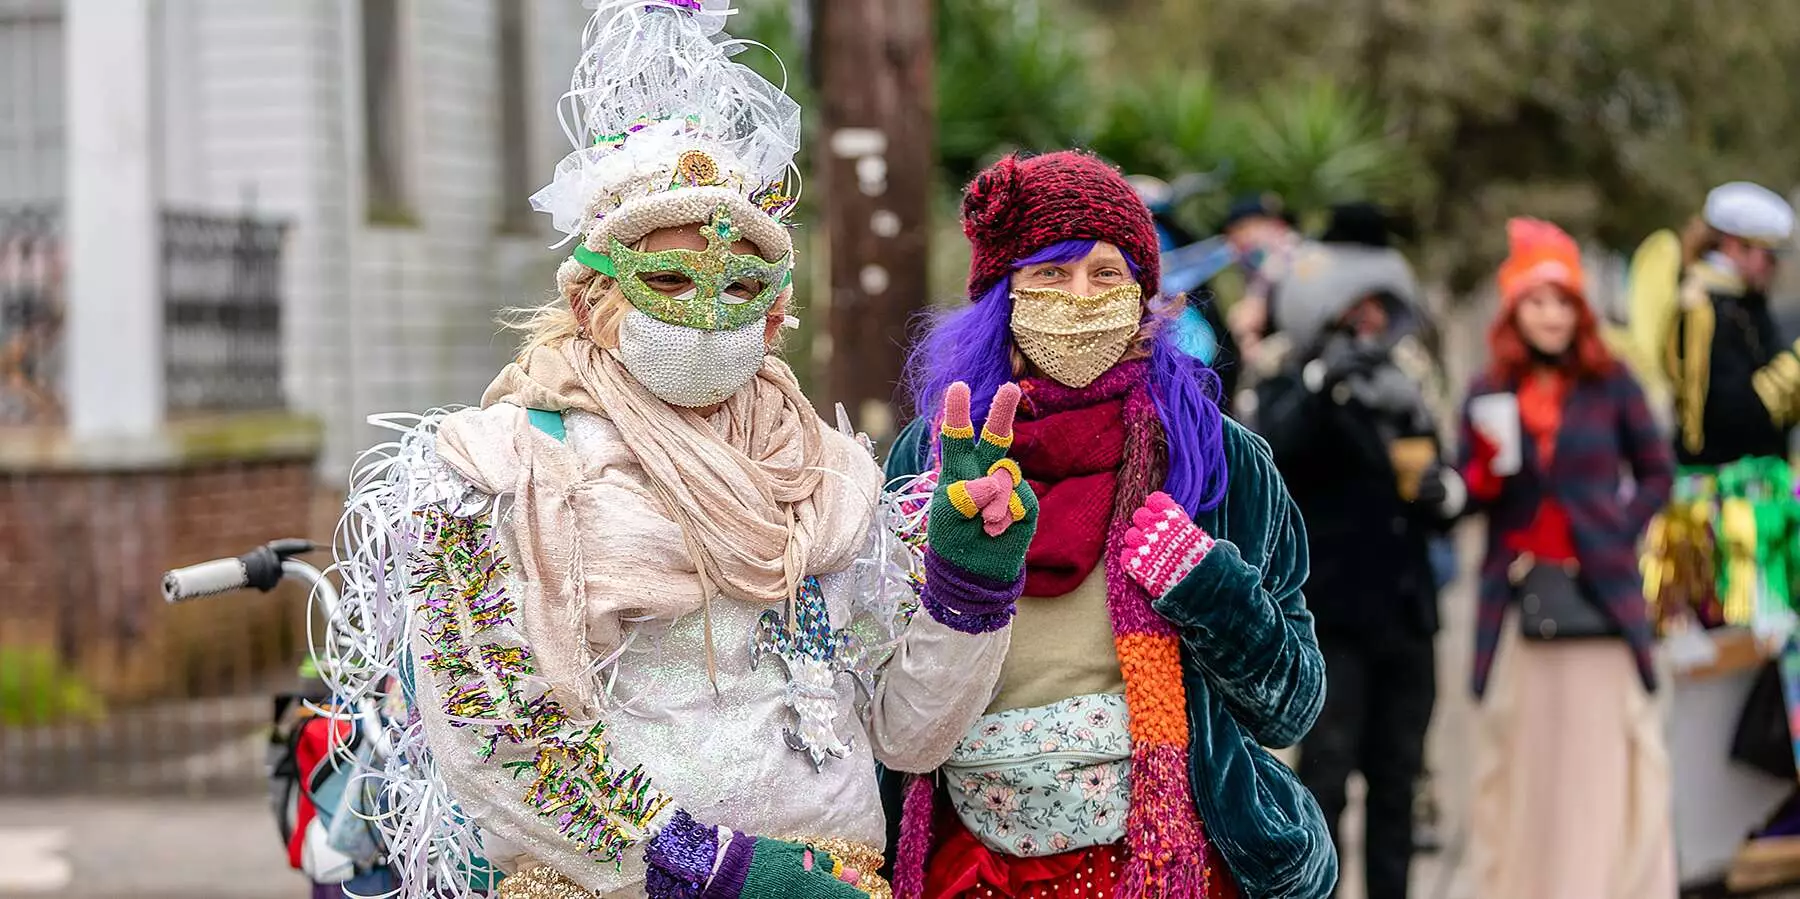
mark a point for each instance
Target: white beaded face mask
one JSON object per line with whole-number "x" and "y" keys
{"x": 689, "y": 367}
{"x": 1072, "y": 338}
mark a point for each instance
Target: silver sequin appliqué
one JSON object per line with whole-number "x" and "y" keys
{"x": 815, "y": 656}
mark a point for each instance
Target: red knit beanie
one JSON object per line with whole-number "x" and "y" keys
{"x": 1022, "y": 204}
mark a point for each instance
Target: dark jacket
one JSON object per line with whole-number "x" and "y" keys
{"x": 1372, "y": 577}
{"x": 1253, "y": 673}
{"x": 1606, "y": 430}
{"x": 1737, "y": 385}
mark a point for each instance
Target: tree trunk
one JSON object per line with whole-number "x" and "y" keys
{"x": 874, "y": 64}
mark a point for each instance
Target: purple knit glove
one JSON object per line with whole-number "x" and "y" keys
{"x": 1163, "y": 545}
{"x": 967, "y": 602}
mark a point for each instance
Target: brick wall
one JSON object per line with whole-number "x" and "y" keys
{"x": 183, "y": 691}
{"x": 83, "y": 554}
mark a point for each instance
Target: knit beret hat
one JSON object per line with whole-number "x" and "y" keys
{"x": 1022, "y": 204}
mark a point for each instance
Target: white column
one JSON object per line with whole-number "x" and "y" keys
{"x": 111, "y": 224}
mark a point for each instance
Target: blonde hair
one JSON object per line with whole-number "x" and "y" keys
{"x": 588, "y": 304}
{"x": 581, "y": 293}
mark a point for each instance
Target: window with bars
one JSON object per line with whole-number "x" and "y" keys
{"x": 221, "y": 313}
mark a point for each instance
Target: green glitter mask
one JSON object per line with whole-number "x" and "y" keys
{"x": 707, "y": 306}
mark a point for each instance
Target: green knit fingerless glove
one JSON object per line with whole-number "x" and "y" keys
{"x": 761, "y": 868}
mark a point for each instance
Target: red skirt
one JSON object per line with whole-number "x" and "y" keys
{"x": 962, "y": 867}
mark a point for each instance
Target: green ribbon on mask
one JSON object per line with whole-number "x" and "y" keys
{"x": 599, "y": 262}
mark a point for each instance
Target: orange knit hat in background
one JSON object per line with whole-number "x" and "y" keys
{"x": 1540, "y": 253}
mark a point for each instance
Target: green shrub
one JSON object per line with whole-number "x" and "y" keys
{"x": 36, "y": 688}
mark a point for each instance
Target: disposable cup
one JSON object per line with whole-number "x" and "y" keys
{"x": 1496, "y": 417}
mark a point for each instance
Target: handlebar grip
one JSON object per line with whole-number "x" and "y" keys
{"x": 205, "y": 579}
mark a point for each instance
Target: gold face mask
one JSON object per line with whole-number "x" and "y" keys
{"x": 710, "y": 305}
{"x": 1075, "y": 339}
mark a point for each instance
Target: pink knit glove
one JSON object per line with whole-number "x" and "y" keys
{"x": 1163, "y": 545}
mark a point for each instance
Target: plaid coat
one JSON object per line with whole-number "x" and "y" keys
{"x": 1606, "y": 433}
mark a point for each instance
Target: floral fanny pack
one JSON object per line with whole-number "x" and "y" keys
{"x": 1039, "y": 781}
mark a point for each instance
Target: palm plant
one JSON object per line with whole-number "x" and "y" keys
{"x": 1163, "y": 123}
{"x": 1010, "y": 75}
{"x": 1316, "y": 144}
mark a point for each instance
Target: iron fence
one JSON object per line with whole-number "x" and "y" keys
{"x": 221, "y": 313}
{"x": 221, "y": 294}
{"x": 31, "y": 316}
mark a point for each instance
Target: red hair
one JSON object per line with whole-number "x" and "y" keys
{"x": 1510, "y": 357}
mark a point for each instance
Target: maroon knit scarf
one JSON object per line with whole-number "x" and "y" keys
{"x": 1070, "y": 442}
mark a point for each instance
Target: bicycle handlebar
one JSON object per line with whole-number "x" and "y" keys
{"x": 204, "y": 579}
{"x": 260, "y": 568}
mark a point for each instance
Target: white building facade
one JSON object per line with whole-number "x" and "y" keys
{"x": 395, "y": 142}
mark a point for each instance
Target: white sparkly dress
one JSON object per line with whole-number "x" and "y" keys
{"x": 781, "y": 740}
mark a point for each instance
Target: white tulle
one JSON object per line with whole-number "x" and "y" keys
{"x": 654, "y": 80}
{"x": 427, "y": 840}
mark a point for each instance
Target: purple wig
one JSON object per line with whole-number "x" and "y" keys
{"x": 973, "y": 344}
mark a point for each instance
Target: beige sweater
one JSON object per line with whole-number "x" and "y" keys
{"x": 1062, "y": 647}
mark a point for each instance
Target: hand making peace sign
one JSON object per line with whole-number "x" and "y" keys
{"x": 983, "y": 514}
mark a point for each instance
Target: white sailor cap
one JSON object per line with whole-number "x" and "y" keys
{"x": 1750, "y": 211}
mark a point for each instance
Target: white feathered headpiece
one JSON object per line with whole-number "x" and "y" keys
{"x": 667, "y": 129}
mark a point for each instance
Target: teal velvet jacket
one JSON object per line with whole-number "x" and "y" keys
{"x": 1253, "y": 672}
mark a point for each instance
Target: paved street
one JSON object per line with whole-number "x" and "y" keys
{"x": 143, "y": 849}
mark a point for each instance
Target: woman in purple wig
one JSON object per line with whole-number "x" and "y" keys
{"x": 1162, "y": 639}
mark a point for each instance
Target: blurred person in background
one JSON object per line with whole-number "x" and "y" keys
{"x": 1263, "y": 235}
{"x": 1188, "y": 265}
{"x": 1359, "y": 222}
{"x": 1356, "y": 440}
{"x": 1162, "y": 638}
{"x": 1572, "y": 797}
{"x": 1736, "y": 383}
{"x": 1368, "y": 224}
{"x": 1736, "y": 387}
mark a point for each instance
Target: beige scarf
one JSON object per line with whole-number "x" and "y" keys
{"x": 759, "y": 495}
